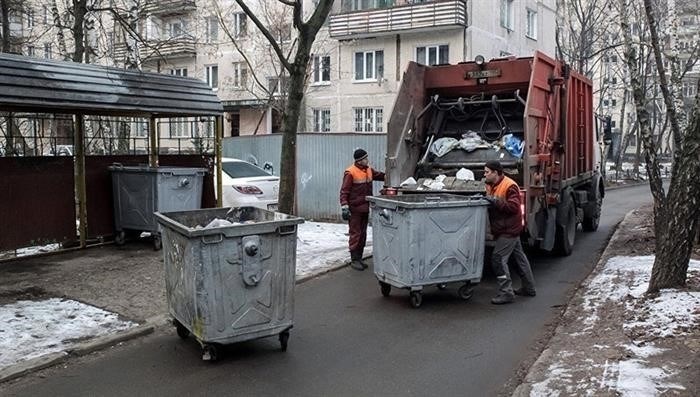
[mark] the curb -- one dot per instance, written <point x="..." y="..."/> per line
<point x="80" y="349"/>
<point x="523" y="388"/>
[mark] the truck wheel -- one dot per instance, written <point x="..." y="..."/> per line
<point x="566" y="227"/>
<point x="590" y="223"/>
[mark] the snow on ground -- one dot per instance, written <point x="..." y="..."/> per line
<point x="623" y="282"/>
<point x="29" y="329"/>
<point x="323" y="246"/>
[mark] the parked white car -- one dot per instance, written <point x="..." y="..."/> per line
<point x="247" y="185"/>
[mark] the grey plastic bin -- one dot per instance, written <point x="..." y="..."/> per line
<point x="139" y="191"/>
<point x="428" y="239"/>
<point x="233" y="283"/>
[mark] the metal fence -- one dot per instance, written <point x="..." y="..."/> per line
<point x="321" y="161"/>
<point x="24" y="135"/>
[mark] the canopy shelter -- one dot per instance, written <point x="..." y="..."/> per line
<point x="32" y="85"/>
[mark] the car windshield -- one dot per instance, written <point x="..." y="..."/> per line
<point x="242" y="169"/>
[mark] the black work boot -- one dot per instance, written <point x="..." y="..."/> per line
<point x="356" y="261"/>
<point x="364" y="264"/>
<point x="502" y="299"/>
<point x="525" y="292"/>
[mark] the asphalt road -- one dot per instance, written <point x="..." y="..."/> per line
<point x="350" y="341"/>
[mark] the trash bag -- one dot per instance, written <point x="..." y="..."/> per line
<point x="513" y="145"/>
<point x="443" y="146"/>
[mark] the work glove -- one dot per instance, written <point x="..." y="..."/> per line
<point x="345" y="212"/>
<point x="492" y="200"/>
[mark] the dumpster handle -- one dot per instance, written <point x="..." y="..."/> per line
<point x="284" y="230"/>
<point x="184" y="182"/>
<point x="217" y="239"/>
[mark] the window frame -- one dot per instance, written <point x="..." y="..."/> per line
<point x="437" y="48"/>
<point x="371" y="119"/>
<point x="377" y="73"/>
<point x="212" y="21"/>
<point x="321" y="119"/>
<point x="531" y="24"/>
<point x="320" y="69"/>
<point x="507" y="17"/>
<point x="240" y="24"/>
<point x="212" y="79"/>
<point x="240" y="74"/>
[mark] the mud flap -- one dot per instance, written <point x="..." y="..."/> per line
<point x="547" y="243"/>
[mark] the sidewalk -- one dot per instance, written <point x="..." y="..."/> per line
<point x="612" y="340"/>
<point x="77" y="302"/>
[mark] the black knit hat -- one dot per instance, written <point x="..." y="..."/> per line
<point x="359" y="154"/>
<point x="494" y="165"/>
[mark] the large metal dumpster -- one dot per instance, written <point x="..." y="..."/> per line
<point x="231" y="283"/>
<point x="139" y="191"/>
<point x="428" y="239"/>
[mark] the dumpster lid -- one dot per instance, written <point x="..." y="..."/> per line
<point x="161" y="170"/>
<point x="432" y="200"/>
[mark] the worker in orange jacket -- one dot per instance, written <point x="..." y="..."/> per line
<point x="357" y="185"/>
<point x="506" y="223"/>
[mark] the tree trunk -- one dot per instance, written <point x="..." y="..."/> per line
<point x="290" y="122"/>
<point x="79" y="11"/>
<point x="5" y="15"/>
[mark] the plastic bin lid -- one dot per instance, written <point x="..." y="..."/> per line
<point x="433" y="200"/>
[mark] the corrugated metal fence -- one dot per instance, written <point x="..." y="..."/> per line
<point x="321" y="160"/>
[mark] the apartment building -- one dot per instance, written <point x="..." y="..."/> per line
<point x="611" y="80"/>
<point x="358" y="58"/>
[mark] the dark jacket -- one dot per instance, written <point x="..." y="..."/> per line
<point x="504" y="215"/>
<point x="357" y="184"/>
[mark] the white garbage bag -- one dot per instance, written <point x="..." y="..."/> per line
<point x="465" y="175"/>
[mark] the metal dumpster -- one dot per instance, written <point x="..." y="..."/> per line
<point x="139" y="191"/>
<point x="428" y="239"/>
<point x="232" y="283"/>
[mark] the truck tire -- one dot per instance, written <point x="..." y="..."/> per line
<point x="565" y="235"/>
<point x="591" y="221"/>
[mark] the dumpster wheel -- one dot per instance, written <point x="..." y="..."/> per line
<point x="157" y="243"/>
<point x="120" y="238"/>
<point x="210" y="352"/>
<point x="182" y="331"/>
<point x="385" y="287"/>
<point x="284" y="340"/>
<point x="466" y="291"/>
<point x="416" y="299"/>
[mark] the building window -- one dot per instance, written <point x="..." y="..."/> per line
<point x="47" y="50"/>
<point x="139" y="129"/>
<point x="240" y="74"/>
<point x="322" y="68"/>
<point x="433" y="55"/>
<point x="213" y="76"/>
<point x="613" y="59"/>
<point x="633" y="140"/>
<point x="531" y="26"/>
<point x="369" y="65"/>
<point x="368" y="119"/>
<point x="179" y="127"/>
<point x="283" y="32"/>
<point x="612" y="124"/>
<point x="322" y="120"/>
<point x="179" y="72"/>
<point x="30" y="50"/>
<point x="47" y="12"/>
<point x="507" y="14"/>
<point x="212" y="29"/>
<point x="176" y="29"/>
<point x="613" y="102"/>
<point x="239" y="24"/>
<point x="30" y="18"/>
<point x="276" y="86"/>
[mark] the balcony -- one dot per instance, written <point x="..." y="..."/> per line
<point x="167" y="8"/>
<point x="175" y="47"/>
<point x="384" y="21"/>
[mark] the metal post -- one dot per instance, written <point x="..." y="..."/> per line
<point x="219" y="126"/>
<point x="153" y="136"/>
<point x="81" y="192"/>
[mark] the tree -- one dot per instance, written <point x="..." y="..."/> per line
<point x="296" y="66"/>
<point x="676" y="213"/>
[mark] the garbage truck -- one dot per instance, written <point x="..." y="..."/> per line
<point x="533" y="114"/>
